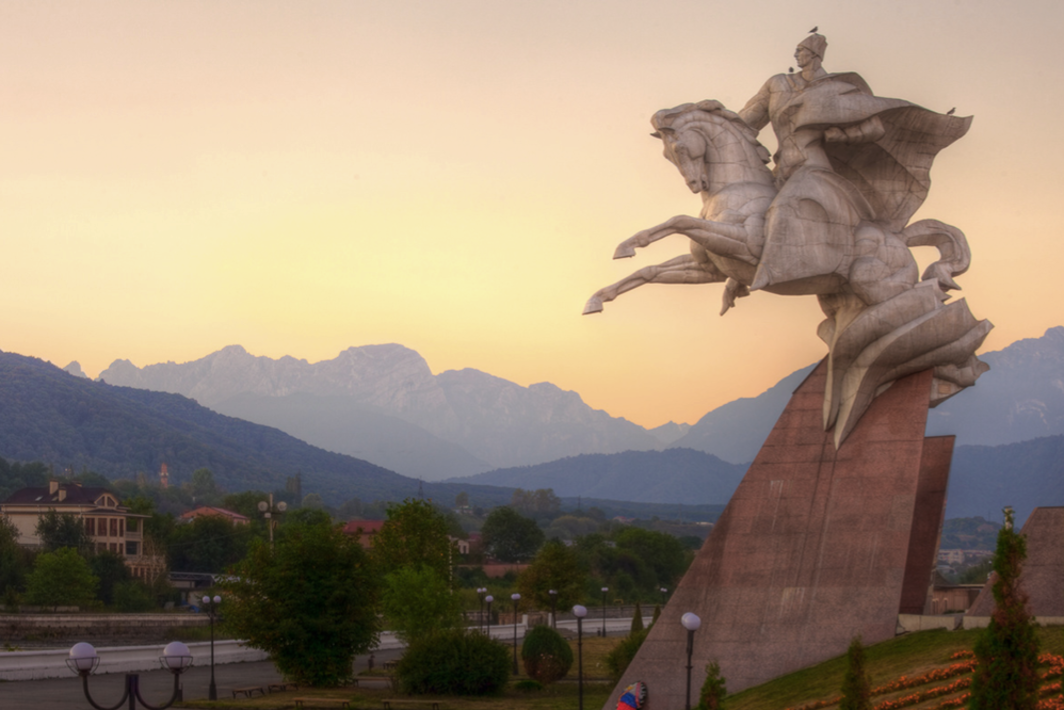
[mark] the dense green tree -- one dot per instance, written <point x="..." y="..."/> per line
<point x="59" y="530"/>
<point x="245" y="503"/>
<point x="16" y="562"/>
<point x="203" y="488"/>
<point x="133" y="596"/>
<point x="662" y="553"/>
<point x="509" y="536"/>
<point x="208" y="544"/>
<point x="61" y="578"/>
<point x="538" y="502"/>
<point x="313" y="501"/>
<point x="856" y="687"/>
<point x="418" y="602"/>
<point x="1006" y="653"/>
<point x="415" y="534"/>
<point x="554" y="567"/>
<point x="570" y="527"/>
<point x="110" y="568"/>
<point x="309" y="601"/>
<point x="16" y="476"/>
<point x="462" y="499"/>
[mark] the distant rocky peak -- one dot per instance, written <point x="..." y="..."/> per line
<point x="74" y="368"/>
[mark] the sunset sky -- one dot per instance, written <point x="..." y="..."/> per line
<point x="301" y="177"/>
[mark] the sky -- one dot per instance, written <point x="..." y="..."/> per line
<point x="302" y="177"/>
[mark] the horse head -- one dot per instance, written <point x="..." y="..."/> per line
<point x="692" y="137"/>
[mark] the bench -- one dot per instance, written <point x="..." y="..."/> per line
<point x="281" y="687"/>
<point x="390" y="665"/>
<point x="321" y="702"/>
<point x="249" y="691"/>
<point x="389" y="703"/>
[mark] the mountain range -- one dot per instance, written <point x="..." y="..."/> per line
<point x="382" y="403"/>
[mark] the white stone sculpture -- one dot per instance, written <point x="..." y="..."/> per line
<point x="831" y="219"/>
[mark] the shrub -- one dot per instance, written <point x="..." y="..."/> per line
<point x="133" y="596"/>
<point x="713" y="689"/>
<point x="621" y="655"/>
<point x="454" y="662"/>
<point x="546" y="656"/>
<point x="528" y="685"/>
<point x="856" y="689"/>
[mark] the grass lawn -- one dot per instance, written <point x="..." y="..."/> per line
<point x="909" y="655"/>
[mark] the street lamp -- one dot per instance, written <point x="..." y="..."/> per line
<point x="553" y="602"/>
<point x="481" y="591"/>
<point x="83" y="661"/>
<point x="211" y="605"/>
<point x="664" y="596"/>
<point x="691" y="622"/>
<point x="516" y="597"/>
<point x="489" y="599"/>
<point x="580" y="612"/>
<point x="604" y="590"/>
<point x="269" y="510"/>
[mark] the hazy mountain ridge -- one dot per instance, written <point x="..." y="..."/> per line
<point x="49" y="415"/>
<point x="672" y="476"/>
<point x="495" y="422"/>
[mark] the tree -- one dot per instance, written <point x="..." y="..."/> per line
<point x="61" y="578"/>
<point x="713" y="690"/>
<point x="58" y="530"/>
<point x="110" y="568"/>
<point x="209" y="543"/>
<point x="309" y="601"/>
<point x="509" y="536"/>
<point x="856" y="688"/>
<point x="1006" y="653"/>
<point x="417" y="602"/>
<point x="414" y="534"/>
<point x="660" y="553"/>
<point x="203" y="488"/>
<point x="461" y="500"/>
<point x="637" y="619"/>
<point x="541" y="501"/>
<point x="554" y="567"/>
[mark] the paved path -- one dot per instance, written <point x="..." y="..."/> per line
<point x="155" y="686"/>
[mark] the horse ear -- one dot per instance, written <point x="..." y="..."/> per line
<point x="655" y="134"/>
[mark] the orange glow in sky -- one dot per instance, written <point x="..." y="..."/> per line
<point x="301" y="177"/>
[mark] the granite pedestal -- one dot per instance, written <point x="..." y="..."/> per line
<point x="816" y="546"/>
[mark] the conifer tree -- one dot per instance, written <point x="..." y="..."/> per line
<point x="657" y="613"/>
<point x="1006" y="674"/>
<point x="856" y="688"/>
<point x="637" y="619"/>
<point x="713" y="691"/>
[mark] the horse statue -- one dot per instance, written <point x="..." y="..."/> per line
<point x="821" y="232"/>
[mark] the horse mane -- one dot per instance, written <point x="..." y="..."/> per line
<point x="708" y="111"/>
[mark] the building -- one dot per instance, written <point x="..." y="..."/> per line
<point x="209" y="511"/>
<point x="109" y="526"/>
<point x="365" y="529"/>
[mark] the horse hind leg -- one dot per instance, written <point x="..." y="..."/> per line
<point x="680" y="270"/>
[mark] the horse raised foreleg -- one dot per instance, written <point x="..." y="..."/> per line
<point x="952" y="246"/>
<point x="681" y="270"/>
<point x="720" y="238"/>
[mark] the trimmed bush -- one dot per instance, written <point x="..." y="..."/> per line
<point x="546" y="656"/>
<point x="637" y="619"/>
<point x="454" y="662"/>
<point x="621" y="655"/>
<point x="528" y="685"/>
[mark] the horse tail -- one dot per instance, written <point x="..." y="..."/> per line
<point x="952" y="247"/>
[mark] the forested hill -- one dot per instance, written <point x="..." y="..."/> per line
<point x="70" y="422"/>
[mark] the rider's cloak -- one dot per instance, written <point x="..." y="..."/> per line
<point x="809" y="227"/>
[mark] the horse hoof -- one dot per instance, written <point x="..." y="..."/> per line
<point x="594" y="305"/>
<point x="624" y="251"/>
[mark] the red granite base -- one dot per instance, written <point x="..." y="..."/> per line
<point x="815" y="547"/>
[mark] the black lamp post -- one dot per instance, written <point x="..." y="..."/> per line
<point x="489" y="599"/>
<point x="604" y="590"/>
<point x="580" y="612"/>
<point x="664" y="596"/>
<point x="691" y="622"/>
<point x="83" y="661"/>
<point x="481" y="591"/>
<point x="553" y="603"/>
<point x="211" y="605"/>
<point x="516" y="597"/>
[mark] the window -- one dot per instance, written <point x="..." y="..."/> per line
<point x="114" y="527"/>
<point x="121" y="527"/>
<point x="131" y="549"/>
<point x="90" y="526"/>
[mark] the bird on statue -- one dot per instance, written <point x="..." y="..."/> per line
<point x="950" y="112"/>
<point x="814" y="29"/>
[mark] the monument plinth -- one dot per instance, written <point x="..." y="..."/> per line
<point x="817" y="545"/>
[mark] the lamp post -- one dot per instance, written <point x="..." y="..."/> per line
<point x="664" y="596"/>
<point x="691" y="622"/>
<point x="604" y="590"/>
<point x="83" y="661"/>
<point x="269" y="510"/>
<point x="211" y="605"/>
<point x="480" y="619"/>
<point x="516" y="597"/>
<point x="580" y="612"/>
<point x="489" y="599"/>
